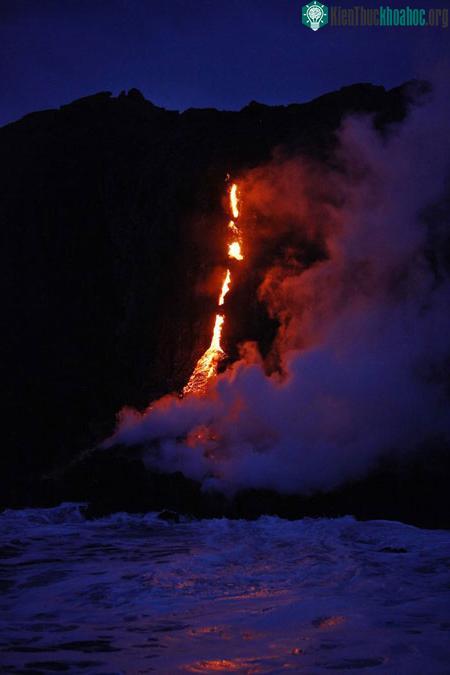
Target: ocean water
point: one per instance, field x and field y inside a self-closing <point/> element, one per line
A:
<point x="135" y="594"/>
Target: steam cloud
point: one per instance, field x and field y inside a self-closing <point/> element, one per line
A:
<point x="364" y="340"/>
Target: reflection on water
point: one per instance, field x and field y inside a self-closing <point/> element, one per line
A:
<point x="134" y="594"/>
<point x="222" y="666"/>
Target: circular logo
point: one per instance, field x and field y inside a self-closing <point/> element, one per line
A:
<point x="315" y="13"/>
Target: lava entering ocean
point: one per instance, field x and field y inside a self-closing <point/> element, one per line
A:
<point x="358" y="282"/>
<point x="207" y="365"/>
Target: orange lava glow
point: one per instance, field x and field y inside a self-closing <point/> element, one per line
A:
<point x="234" y="251"/>
<point x="207" y="365"/>
<point x="234" y="201"/>
<point x="233" y="227"/>
<point x="225" y="287"/>
<point x="217" y="333"/>
<point x="235" y="248"/>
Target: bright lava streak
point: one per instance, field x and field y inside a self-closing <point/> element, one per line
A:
<point x="234" y="201"/>
<point x="225" y="288"/>
<point x="217" y="333"/>
<point x="207" y="364"/>
<point x="234" y="251"/>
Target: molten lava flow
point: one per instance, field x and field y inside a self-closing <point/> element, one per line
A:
<point x="234" y="251"/>
<point x="233" y="227"/>
<point x="206" y="366"/>
<point x="235" y="246"/>
<point x="217" y="333"/>
<point x="225" y="287"/>
<point x="234" y="201"/>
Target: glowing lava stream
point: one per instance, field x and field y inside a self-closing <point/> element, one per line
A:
<point x="225" y="287"/>
<point x="206" y="366"/>
<point x="234" y="201"/>
<point x="234" y="251"/>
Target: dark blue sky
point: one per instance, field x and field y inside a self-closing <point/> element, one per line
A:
<point x="197" y="53"/>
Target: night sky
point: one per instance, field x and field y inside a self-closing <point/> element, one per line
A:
<point x="197" y="53"/>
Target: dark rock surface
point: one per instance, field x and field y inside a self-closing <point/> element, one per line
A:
<point x="111" y="215"/>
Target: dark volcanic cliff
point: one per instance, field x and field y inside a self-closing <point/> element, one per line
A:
<point x="111" y="214"/>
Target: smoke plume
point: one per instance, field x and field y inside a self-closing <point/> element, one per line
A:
<point x="363" y="347"/>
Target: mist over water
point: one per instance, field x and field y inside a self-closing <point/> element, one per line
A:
<point x="364" y="341"/>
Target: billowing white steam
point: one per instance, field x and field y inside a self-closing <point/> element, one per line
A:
<point x="365" y="335"/>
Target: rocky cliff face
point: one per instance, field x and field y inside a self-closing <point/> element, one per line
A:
<point x="111" y="215"/>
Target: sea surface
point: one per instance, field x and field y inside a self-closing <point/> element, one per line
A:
<point x="136" y="594"/>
